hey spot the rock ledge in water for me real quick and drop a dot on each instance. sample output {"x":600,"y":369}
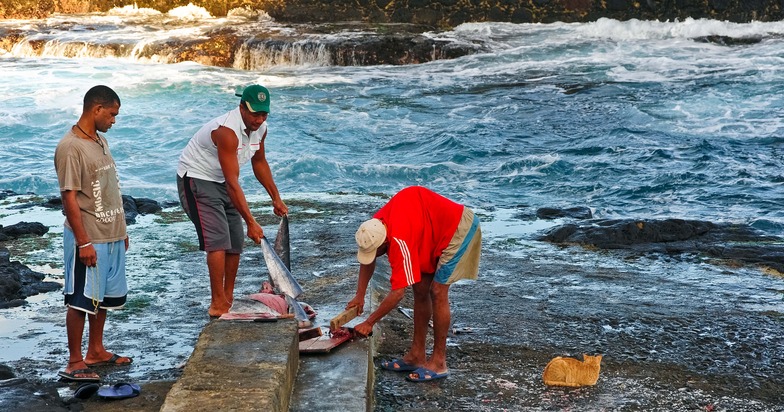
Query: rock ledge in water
{"x":740,"y":243}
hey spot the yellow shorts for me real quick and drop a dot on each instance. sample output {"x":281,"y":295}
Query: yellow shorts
{"x":460,"y":259}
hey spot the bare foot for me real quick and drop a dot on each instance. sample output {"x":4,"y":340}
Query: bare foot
{"x":217,"y":312}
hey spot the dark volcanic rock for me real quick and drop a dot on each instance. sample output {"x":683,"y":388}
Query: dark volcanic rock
{"x":17,"y":282}
{"x":129,"y":205}
{"x":53,"y":203}
{"x":728,"y":41}
{"x":248,"y":46}
{"x":740,"y":243}
{"x":134,"y":207}
{"x":440,"y":13}
{"x":147,"y":206}
{"x":23,"y":229}
{"x":580,"y":212}
{"x":6,"y":372}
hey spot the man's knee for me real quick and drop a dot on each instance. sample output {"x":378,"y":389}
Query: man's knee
{"x":439,"y":291}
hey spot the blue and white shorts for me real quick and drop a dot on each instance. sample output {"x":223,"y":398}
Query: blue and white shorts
{"x":92,"y":288}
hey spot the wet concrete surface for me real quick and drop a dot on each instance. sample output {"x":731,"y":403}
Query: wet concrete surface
{"x":678,"y":333}
{"x":338,"y":381}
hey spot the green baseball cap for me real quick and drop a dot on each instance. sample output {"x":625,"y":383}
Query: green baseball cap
{"x":256,"y":98}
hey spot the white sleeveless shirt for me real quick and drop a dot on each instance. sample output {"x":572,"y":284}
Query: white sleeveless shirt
{"x":199,"y":159}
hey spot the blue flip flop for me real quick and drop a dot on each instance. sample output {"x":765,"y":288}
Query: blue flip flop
{"x":398,"y":365}
{"x":426,"y":375}
{"x":121,"y":390}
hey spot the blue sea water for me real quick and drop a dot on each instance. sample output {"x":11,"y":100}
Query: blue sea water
{"x":632,"y":119}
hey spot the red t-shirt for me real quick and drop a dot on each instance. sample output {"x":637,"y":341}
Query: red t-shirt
{"x":420,"y":223}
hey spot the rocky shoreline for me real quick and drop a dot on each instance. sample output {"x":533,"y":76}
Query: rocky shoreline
{"x":526,"y":307}
{"x":243,"y":43}
{"x":440,"y":13}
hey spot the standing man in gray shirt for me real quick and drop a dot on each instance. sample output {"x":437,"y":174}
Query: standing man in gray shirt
{"x":94,"y":237}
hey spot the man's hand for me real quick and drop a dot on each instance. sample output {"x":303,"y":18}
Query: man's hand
{"x":87,"y":256}
{"x":255,"y":232}
{"x":359,"y":302}
{"x":364,"y":328}
{"x":279,"y":208}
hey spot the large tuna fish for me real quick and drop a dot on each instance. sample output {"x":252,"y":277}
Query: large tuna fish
{"x":280,"y":276}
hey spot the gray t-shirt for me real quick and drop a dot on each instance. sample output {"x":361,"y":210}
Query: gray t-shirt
{"x":83,"y":166}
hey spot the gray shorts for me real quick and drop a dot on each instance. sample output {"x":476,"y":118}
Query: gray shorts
{"x":218,"y":224}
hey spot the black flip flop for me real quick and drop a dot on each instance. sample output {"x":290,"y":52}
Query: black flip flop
{"x":86,"y":390}
{"x":71,"y":377}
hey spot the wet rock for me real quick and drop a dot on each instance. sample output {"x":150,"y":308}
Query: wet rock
{"x":134,"y":207}
{"x":17,"y":282}
{"x":6,"y":372}
{"x":22,"y":229}
{"x":12,"y":382}
{"x":53,"y":203}
{"x":735,"y":242}
{"x":618,"y":234}
{"x":29,"y":396}
{"x":147,"y":206}
{"x":250,"y":46}
{"x":442,"y":13}
{"x":580,"y":212}
{"x":129,"y":206}
{"x":5,"y":193}
{"x":727,"y":40}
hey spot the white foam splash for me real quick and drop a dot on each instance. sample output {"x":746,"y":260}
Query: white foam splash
{"x":189,"y":12}
{"x":132,"y":10}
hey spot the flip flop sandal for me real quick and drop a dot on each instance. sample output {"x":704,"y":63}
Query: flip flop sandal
{"x":86,"y":390}
{"x":398,"y":365}
{"x":112,"y":361}
{"x":119,"y":391}
{"x":72,"y":376}
{"x":426,"y":375}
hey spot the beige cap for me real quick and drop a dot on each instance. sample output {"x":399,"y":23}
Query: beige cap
{"x":370,"y":236}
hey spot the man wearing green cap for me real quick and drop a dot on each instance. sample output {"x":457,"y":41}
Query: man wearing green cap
{"x":210,"y":193}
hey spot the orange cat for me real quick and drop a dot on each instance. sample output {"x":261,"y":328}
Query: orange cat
{"x":572,"y":372}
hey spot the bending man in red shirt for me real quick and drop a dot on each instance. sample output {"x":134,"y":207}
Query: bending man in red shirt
{"x":431,"y":243}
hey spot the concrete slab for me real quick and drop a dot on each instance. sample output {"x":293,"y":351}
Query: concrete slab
{"x":239,"y":366}
{"x":340,"y":381}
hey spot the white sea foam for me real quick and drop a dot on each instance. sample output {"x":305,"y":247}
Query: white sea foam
{"x":132,"y":10}
{"x":189,"y":12}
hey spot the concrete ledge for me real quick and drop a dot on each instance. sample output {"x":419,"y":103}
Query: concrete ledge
{"x":239,"y":366}
{"x":339,"y":381}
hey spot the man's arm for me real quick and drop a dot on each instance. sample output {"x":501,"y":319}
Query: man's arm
{"x":227,"y":143}
{"x":263,"y":174}
{"x":365,"y":273}
{"x":74,"y":215}
{"x":390,"y":302}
